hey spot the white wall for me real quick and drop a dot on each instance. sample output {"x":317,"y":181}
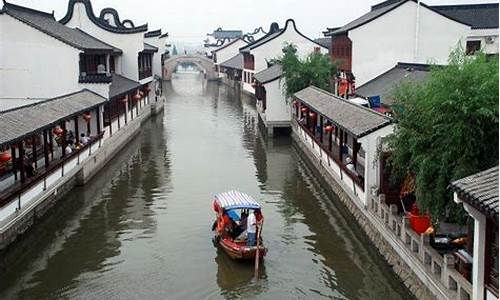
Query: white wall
{"x":370,"y":144}
{"x":380,"y":44}
{"x":482,"y":35}
{"x":277,"y":109}
{"x":274,"y":48}
{"x":160,"y":44}
{"x":130,"y":43}
{"x":229,"y":51}
{"x":33,"y":64}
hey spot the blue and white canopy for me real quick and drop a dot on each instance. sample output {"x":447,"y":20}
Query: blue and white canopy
{"x":236,"y":200}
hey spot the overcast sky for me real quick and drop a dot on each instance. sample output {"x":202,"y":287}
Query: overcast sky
{"x":188,"y":21}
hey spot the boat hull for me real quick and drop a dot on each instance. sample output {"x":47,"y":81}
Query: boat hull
{"x":240,"y":251}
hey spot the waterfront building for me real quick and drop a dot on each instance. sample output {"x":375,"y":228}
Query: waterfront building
{"x":483,"y":19}
{"x":478,"y":194}
{"x":393,"y":31}
{"x":136,"y":61}
{"x":380,"y":90}
{"x":233,"y":69}
{"x":219,"y":38}
{"x":66,"y":59}
{"x":158,"y":40}
{"x":272,"y":103}
{"x":258,"y":54}
{"x":226,"y":52}
{"x":346,"y":134}
{"x":68,"y":107}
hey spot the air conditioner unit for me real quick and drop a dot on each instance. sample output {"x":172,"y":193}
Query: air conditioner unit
{"x":490,"y":40}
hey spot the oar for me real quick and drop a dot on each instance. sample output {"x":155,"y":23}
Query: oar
{"x":257,"y":252}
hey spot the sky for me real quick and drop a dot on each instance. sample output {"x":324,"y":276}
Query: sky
{"x":188,"y":21}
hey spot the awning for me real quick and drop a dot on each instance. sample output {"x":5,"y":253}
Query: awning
{"x":236,"y":200}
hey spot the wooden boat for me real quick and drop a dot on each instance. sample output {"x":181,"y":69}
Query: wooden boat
{"x":233,"y":202}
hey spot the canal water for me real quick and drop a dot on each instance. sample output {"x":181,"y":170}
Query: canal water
{"x":142,"y":228}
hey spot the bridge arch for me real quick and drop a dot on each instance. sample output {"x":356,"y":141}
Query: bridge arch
{"x":204,"y":63}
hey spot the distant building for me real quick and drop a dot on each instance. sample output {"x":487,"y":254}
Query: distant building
{"x":258,"y":54}
{"x":159,"y":40}
{"x":272,"y":104}
{"x":227,"y":51}
{"x":391,"y":32}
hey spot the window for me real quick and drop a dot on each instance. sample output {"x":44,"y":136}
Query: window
{"x":472,"y":47}
{"x":317,"y":49}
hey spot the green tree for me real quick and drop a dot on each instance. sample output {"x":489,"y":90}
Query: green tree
{"x":316,"y":69}
{"x":446,"y":129}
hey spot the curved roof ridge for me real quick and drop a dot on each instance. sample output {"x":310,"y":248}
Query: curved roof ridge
{"x":100,"y":22}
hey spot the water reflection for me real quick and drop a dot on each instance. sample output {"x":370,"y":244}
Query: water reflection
{"x":141,"y":229}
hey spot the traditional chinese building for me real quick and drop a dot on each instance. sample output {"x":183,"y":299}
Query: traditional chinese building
{"x":160,"y":41}
{"x":394,"y":31}
{"x":478,"y":194}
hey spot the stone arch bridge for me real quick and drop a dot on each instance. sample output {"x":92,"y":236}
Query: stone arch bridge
{"x":205,"y":64}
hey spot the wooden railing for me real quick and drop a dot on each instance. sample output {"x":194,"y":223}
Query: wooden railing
{"x":8,"y":195}
{"x":355,"y":178}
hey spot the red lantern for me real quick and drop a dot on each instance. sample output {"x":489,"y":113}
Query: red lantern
{"x":5,"y":156}
{"x":141,"y":94}
{"x":304,"y":109}
{"x":58,"y":131}
{"x":328,"y":128}
{"x":87,"y":116}
{"x":294,"y":102}
{"x":124,"y":100}
{"x":136,"y":97}
{"x":312,"y":114}
{"x":147,"y":89}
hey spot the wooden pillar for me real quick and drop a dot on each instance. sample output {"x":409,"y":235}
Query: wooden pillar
{"x":321,"y":129}
{"x":63,"y":139}
{"x":355,"y":149}
{"x":51,"y":144}
{"x":14,"y":161}
{"x":125,"y":108}
{"x":89,"y":129}
{"x":20,"y":161}
{"x":98,"y":119}
{"x":45,"y":148}
{"x":330,"y":142}
{"x":33,"y":147}
{"x":117,"y":108}
{"x":77,"y":131}
{"x":341,"y":143}
{"x":130,"y":99}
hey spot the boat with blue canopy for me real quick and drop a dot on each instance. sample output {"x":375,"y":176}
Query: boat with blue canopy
{"x":238,"y":225}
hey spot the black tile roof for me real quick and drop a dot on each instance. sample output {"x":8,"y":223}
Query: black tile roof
{"x":150,"y":48}
{"x":356,"y":119}
{"x":153,"y":33}
{"x":479,"y":16}
{"x":122,"y":27}
{"x":122,"y":85}
{"x":378,"y":11}
{"x":385,"y":84}
{"x":47,"y":24}
{"x":235,"y":62}
{"x":480,"y":190}
{"x":270,"y":74}
{"x":325,"y":42}
{"x":219,"y":34}
{"x":20,"y":122}
{"x":275,"y":32}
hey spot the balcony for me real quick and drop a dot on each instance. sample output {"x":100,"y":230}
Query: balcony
{"x":95,"y":78}
{"x":145,"y":73}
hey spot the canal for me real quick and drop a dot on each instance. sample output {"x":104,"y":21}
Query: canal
{"x":142,"y":228}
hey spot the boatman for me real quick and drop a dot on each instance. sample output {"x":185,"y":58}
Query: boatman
{"x":251,"y":229}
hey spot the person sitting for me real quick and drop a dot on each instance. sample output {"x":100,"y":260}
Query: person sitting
{"x":84,"y":140}
{"x":251,"y":229}
{"x":68,"y":149}
{"x":350,"y":165}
